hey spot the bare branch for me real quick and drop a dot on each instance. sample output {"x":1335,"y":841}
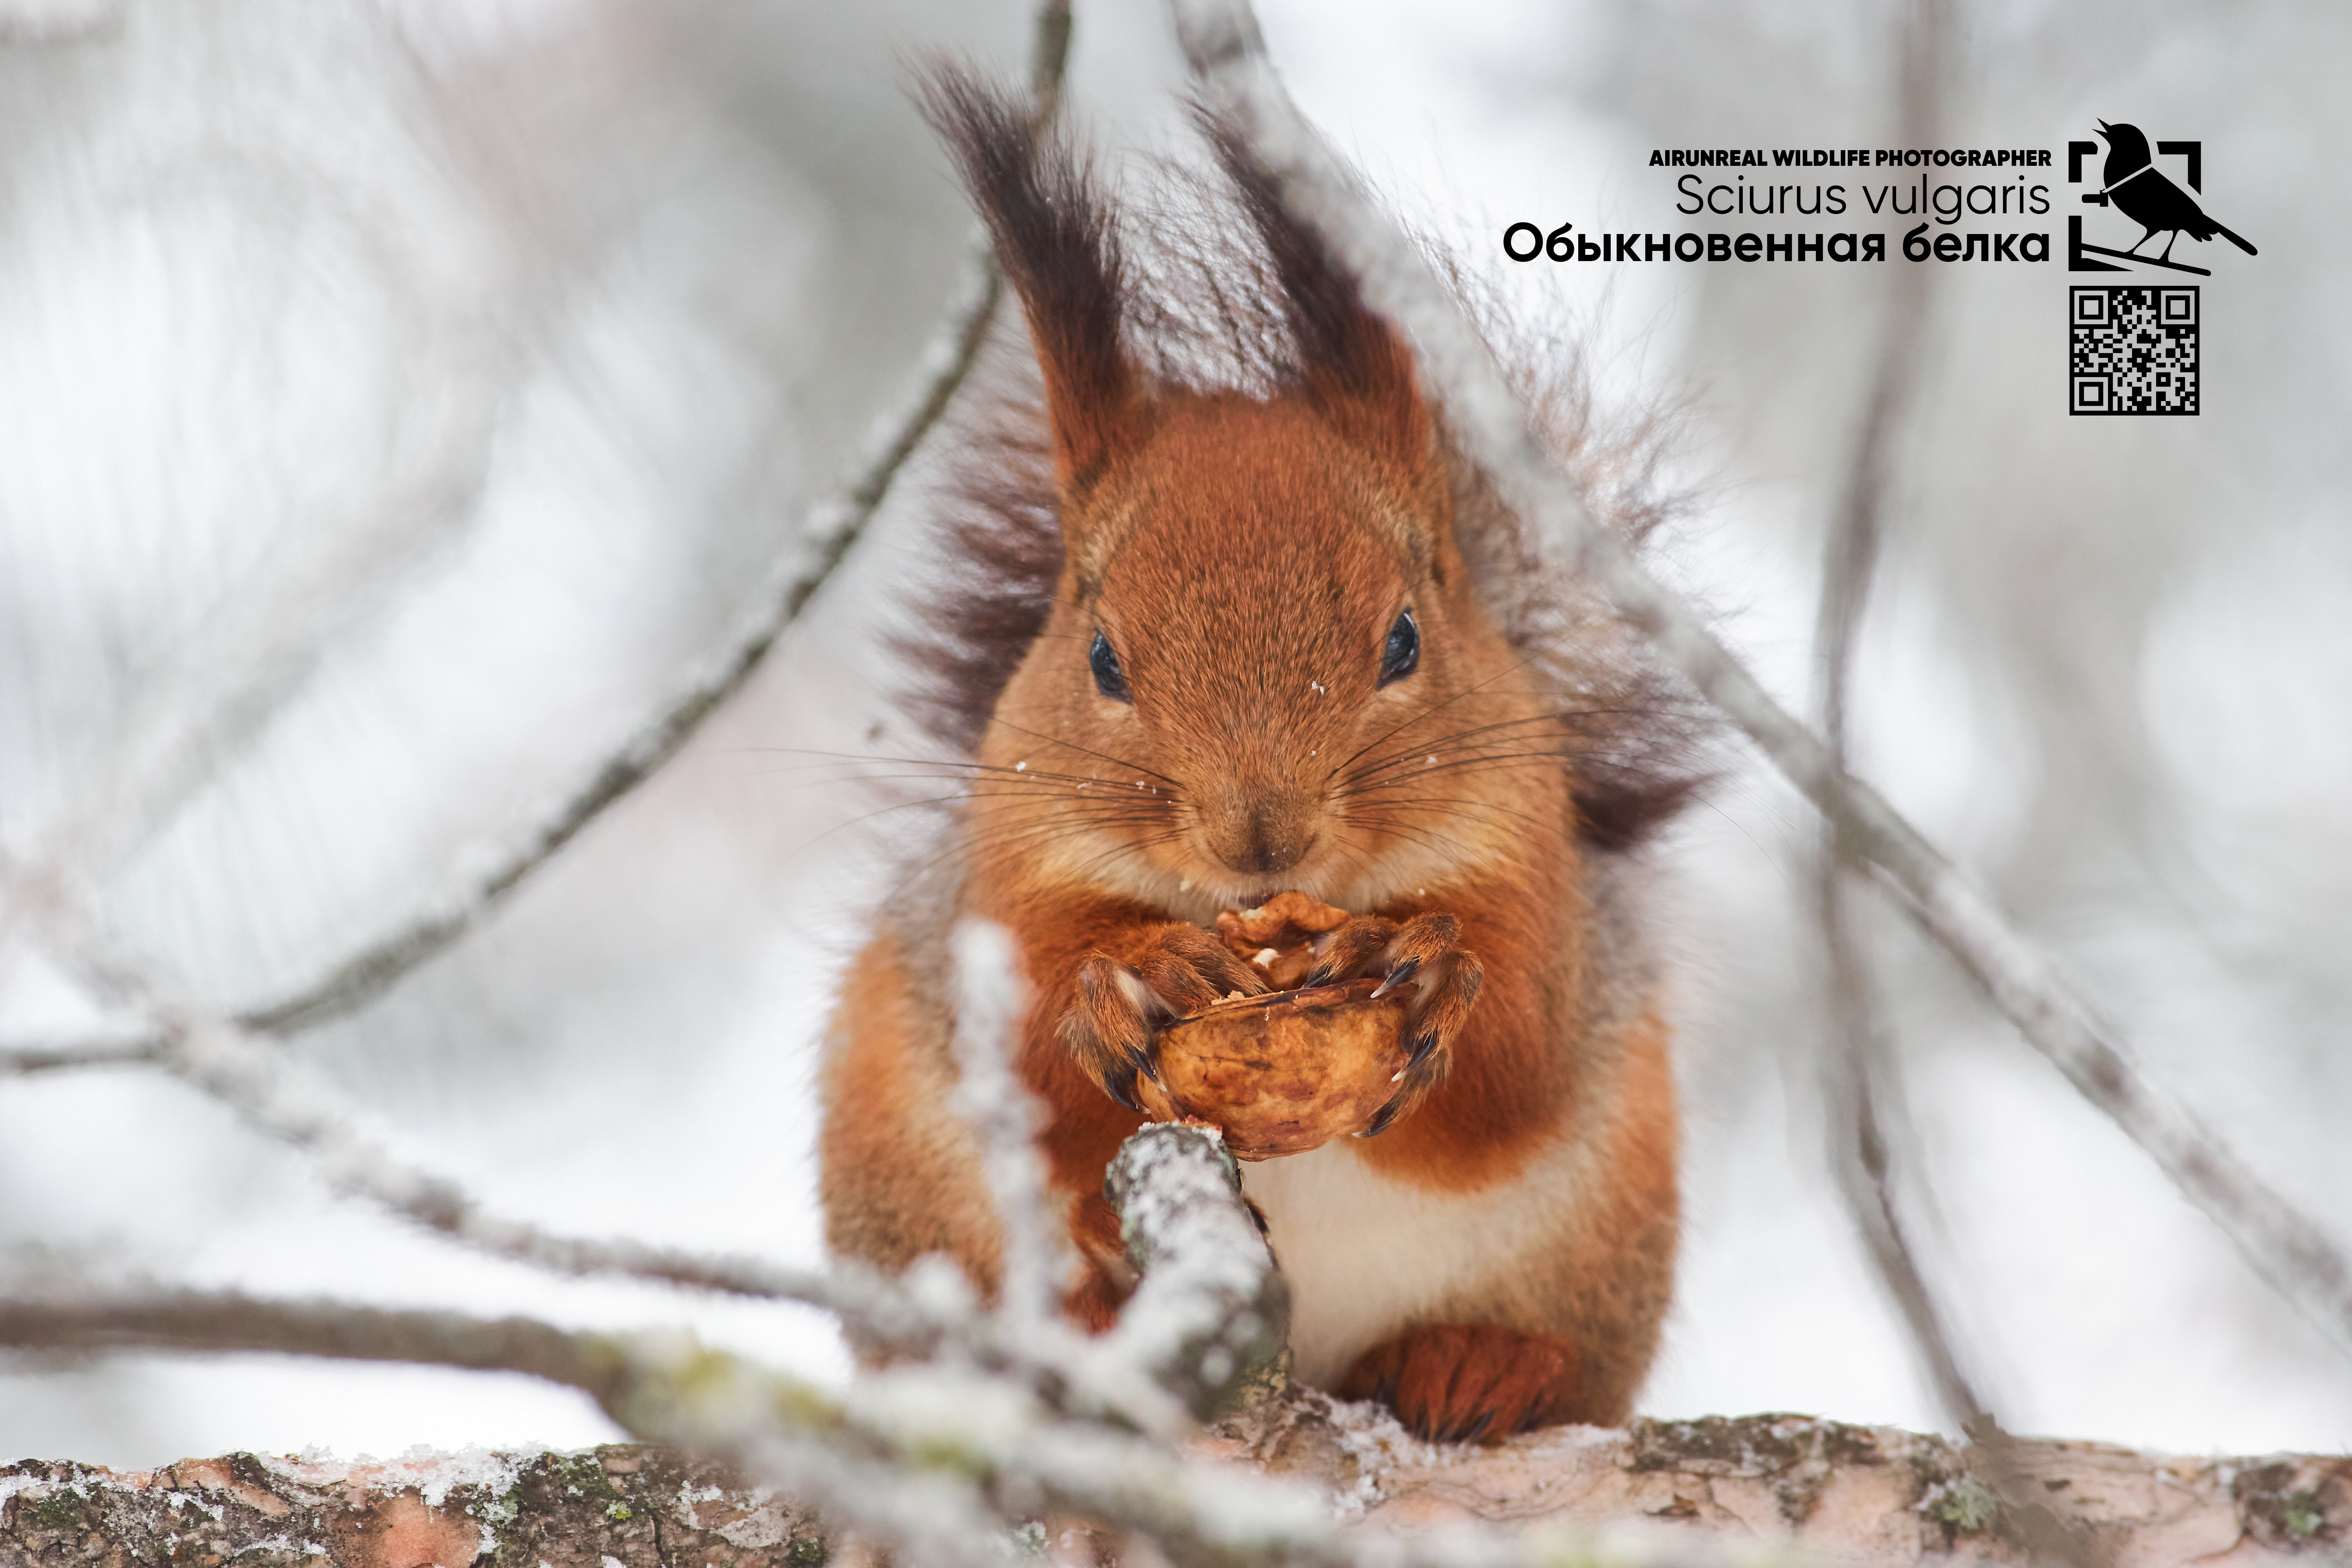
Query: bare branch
{"x":1858,"y":1071}
{"x":31,"y":1060}
{"x":1857,"y":1075}
{"x":2299,"y":1259}
{"x":291,"y":1101}
{"x":1049,"y":58}
{"x":202,"y":1320}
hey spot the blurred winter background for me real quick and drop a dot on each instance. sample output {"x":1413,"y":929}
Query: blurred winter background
{"x":397,"y":398}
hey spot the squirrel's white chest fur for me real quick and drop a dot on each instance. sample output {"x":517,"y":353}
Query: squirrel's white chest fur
{"x":1367,"y":1257}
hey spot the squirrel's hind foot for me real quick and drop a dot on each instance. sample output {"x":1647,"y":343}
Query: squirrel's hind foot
{"x":1469,"y":1382}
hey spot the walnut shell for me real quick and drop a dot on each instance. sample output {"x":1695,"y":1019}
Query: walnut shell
{"x":1277,"y":936}
{"x":1283,"y":1073}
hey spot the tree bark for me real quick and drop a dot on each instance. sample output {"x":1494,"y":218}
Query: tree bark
{"x":631,"y":1505}
{"x":1840,"y":1493}
{"x":1833,"y":1492}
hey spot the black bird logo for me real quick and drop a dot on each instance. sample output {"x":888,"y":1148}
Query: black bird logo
{"x":2139,"y":191}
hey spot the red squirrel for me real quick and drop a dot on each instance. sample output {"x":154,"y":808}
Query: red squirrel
{"x":1230,"y":615}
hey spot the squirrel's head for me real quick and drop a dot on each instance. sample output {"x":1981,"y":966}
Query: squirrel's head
{"x":1264,"y":666}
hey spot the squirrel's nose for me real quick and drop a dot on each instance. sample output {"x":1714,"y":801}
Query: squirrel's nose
{"x":1263,"y":837}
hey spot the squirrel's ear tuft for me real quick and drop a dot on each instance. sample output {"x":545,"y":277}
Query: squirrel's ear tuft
{"x":1057,"y":240}
{"x":1356,"y":366}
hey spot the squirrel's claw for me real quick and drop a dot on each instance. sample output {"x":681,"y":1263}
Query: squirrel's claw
{"x":1226,"y":974}
{"x":1179,"y":987}
{"x":1441,"y":1010}
{"x":1398,"y":952}
{"x":1445,"y":984}
{"x":1110,"y":1028}
{"x":1348,"y":949}
{"x":1423,"y":1071}
{"x":1423,"y":942}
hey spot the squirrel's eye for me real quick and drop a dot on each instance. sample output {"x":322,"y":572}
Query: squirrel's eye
{"x":1402,"y":654}
{"x":1109,"y":679}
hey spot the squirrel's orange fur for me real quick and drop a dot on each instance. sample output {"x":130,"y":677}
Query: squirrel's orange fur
{"x":1500,"y":1254}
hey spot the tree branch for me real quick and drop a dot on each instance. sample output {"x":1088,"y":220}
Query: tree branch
{"x":220,"y":1322}
{"x":1222,"y":41}
{"x":632,"y":1503}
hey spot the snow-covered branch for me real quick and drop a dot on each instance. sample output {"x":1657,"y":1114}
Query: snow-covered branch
{"x":1211,"y":1312}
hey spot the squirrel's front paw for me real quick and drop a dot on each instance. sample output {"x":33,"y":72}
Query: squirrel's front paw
{"x":1113,"y":1028}
{"x":1421,"y":955}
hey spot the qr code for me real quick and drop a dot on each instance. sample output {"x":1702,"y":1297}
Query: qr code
{"x":2133,"y":351}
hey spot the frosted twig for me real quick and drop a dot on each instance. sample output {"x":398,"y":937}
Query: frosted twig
{"x":285,"y":1098}
{"x":293,"y":1104}
{"x":2300,"y":1259}
{"x":991,"y":1001}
